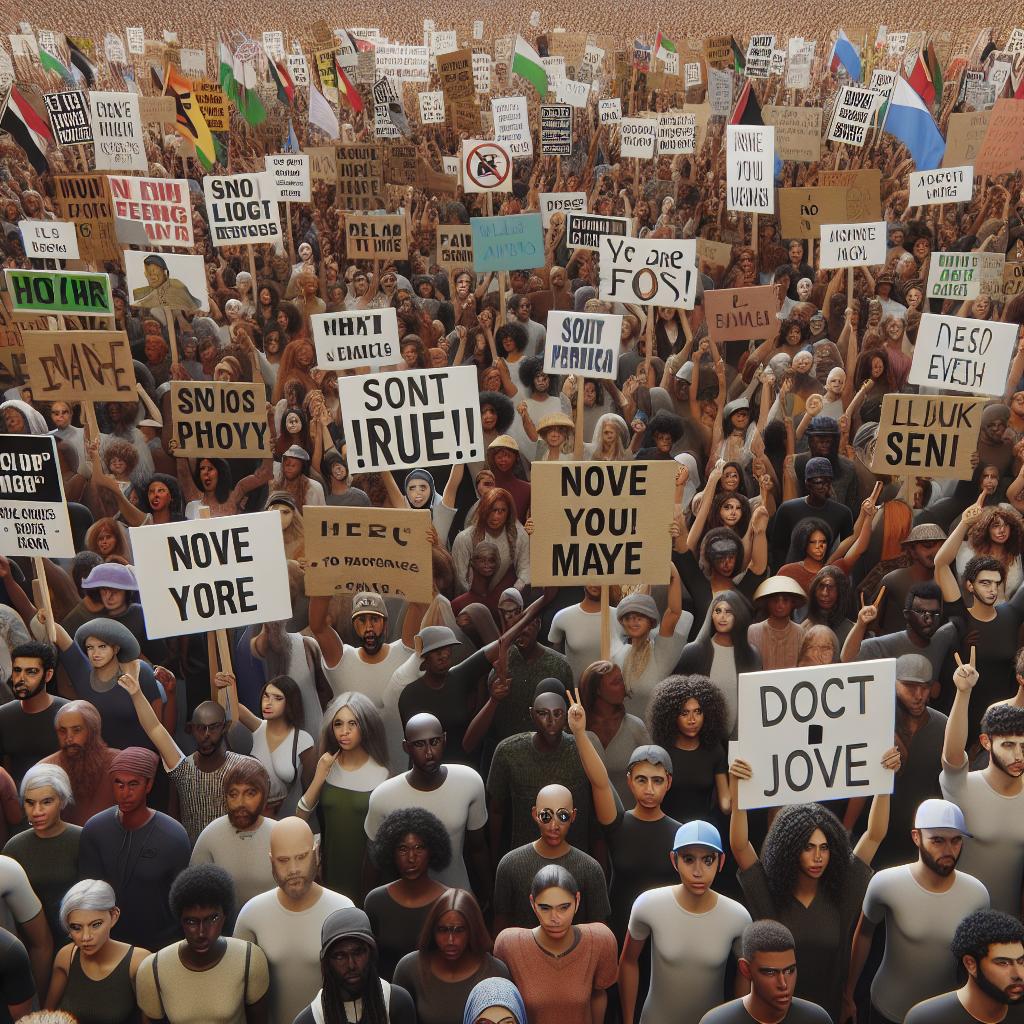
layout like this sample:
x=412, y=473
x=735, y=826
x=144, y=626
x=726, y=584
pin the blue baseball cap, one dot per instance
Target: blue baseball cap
x=697, y=833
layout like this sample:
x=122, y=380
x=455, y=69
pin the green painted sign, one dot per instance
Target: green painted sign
x=60, y=291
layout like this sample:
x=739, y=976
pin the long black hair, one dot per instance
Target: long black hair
x=816, y=615
x=335, y=995
x=801, y=536
x=698, y=655
x=789, y=834
x=224, y=485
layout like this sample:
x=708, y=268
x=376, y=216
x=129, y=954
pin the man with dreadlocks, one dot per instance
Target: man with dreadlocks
x=353, y=991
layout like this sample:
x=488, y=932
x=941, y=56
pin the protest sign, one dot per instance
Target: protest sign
x=718, y=51
x=397, y=60
x=1013, y=279
x=206, y=574
x=637, y=137
x=515, y=242
x=166, y=280
x=136, y=39
x=1002, y=149
x=804, y=211
x=964, y=137
x=561, y=202
x=719, y=92
x=954, y=275
x=298, y=68
x=193, y=62
x=947, y=185
x=213, y=104
x=376, y=237
x=242, y=209
x=49, y=239
x=759, y=56
x=432, y=107
x=677, y=133
x=649, y=272
x=692, y=75
x=323, y=164
x=852, y=245
x=959, y=354
x=934, y=435
x=863, y=191
x=381, y=551
x=225, y=419
x=750, y=168
x=32, y=505
x=851, y=115
x=93, y=366
x=609, y=111
x=481, y=73
x=555, y=129
x=161, y=205
x=360, y=176
x=289, y=174
x=601, y=523
x=347, y=340
x=84, y=200
x=797, y=131
x=583, y=343
x=69, y=118
x=486, y=166
x=160, y=110
x=401, y=164
x=454, y=246
x=60, y=291
x=411, y=418
x=573, y=93
x=815, y=733
x=512, y=125
x=739, y=314
x=990, y=274
x=455, y=72
x=117, y=131
x=713, y=255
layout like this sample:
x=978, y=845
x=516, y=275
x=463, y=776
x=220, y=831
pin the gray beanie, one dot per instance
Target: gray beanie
x=642, y=604
x=349, y=923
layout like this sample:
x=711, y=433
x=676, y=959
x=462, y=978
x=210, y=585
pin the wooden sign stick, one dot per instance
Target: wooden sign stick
x=606, y=626
x=577, y=444
x=649, y=347
x=172, y=336
x=218, y=650
x=291, y=241
x=41, y=594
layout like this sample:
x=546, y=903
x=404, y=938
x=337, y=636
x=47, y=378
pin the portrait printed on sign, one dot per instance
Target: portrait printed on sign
x=166, y=280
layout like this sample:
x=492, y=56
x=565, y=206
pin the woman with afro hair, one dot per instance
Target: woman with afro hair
x=809, y=879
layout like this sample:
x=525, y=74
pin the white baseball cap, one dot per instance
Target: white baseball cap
x=941, y=814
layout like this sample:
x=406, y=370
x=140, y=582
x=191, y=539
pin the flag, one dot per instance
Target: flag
x=739, y=59
x=238, y=79
x=346, y=87
x=926, y=77
x=911, y=122
x=663, y=46
x=527, y=64
x=283, y=80
x=27, y=129
x=321, y=113
x=80, y=62
x=291, y=143
x=935, y=67
x=190, y=123
x=844, y=53
x=747, y=110
x=56, y=66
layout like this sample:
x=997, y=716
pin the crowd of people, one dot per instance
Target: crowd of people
x=515, y=804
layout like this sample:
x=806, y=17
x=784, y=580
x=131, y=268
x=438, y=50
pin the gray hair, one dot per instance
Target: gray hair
x=371, y=726
x=89, y=894
x=51, y=775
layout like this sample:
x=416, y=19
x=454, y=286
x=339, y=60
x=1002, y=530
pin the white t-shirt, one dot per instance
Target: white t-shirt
x=919, y=927
x=995, y=856
x=460, y=802
x=245, y=856
x=580, y=633
x=370, y=679
x=18, y=903
x=723, y=675
x=689, y=953
x=364, y=779
x=278, y=762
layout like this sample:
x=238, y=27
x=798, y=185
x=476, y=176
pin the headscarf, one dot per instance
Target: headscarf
x=34, y=421
x=494, y=992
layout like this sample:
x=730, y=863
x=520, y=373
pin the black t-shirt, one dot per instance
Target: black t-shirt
x=789, y=513
x=947, y=1009
x=800, y=1012
x=26, y=739
x=16, y=984
x=692, y=795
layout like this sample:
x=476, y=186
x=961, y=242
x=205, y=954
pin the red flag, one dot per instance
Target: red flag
x=920, y=80
x=346, y=87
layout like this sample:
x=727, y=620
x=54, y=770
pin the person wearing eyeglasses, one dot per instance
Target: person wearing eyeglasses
x=495, y=1001
x=454, y=955
x=207, y=978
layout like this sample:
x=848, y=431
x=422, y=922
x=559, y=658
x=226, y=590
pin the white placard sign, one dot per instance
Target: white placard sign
x=512, y=125
x=49, y=239
x=348, y=340
x=609, y=111
x=217, y=573
x=298, y=68
x=33, y=512
x=432, y=107
x=242, y=209
x=959, y=354
x=486, y=166
x=136, y=37
x=117, y=131
x=943, y=185
x=719, y=92
x=289, y=175
x=412, y=418
x=273, y=43
x=637, y=137
x=193, y=62
x=166, y=280
x=954, y=275
x=677, y=133
x=851, y=116
x=586, y=344
x=561, y=202
x=478, y=29
x=815, y=733
x=750, y=168
x=691, y=74
x=573, y=93
x=481, y=73
x=648, y=271
x=852, y=245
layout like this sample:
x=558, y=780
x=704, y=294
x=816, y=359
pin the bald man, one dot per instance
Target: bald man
x=285, y=922
x=553, y=813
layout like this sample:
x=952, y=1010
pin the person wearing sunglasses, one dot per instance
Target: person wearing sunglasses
x=494, y=1001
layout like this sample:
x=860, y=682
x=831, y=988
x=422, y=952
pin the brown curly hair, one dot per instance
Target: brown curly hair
x=667, y=702
x=977, y=533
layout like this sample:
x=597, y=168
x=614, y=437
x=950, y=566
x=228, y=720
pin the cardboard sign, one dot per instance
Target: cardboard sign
x=815, y=733
x=712, y=256
x=486, y=166
x=432, y=107
x=759, y=56
x=161, y=205
x=454, y=246
x=561, y=202
x=512, y=125
x=851, y=115
x=360, y=176
x=964, y=355
x=637, y=136
x=77, y=365
x=289, y=174
x=739, y=314
x=49, y=239
x=377, y=237
x=934, y=435
x=84, y=200
x=382, y=551
x=648, y=271
x=219, y=418
x=586, y=344
x=69, y=118
x=804, y=211
x=33, y=510
x=948, y=185
x=797, y=131
x=750, y=168
x=954, y=275
x=601, y=523
x=218, y=573
x=852, y=245
x=411, y=418
x=1013, y=280
x=515, y=242
x=160, y=110
x=117, y=131
x=356, y=338
x=677, y=133
x=242, y=209
x=1002, y=150
x=166, y=280
x=60, y=291
x=455, y=71
x=718, y=51
x=555, y=129
x=585, y=230
x=609, y=111
x=964, y=137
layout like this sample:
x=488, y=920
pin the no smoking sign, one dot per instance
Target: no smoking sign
x=486, y=167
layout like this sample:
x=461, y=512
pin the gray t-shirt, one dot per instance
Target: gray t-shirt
x=893, y=645
x=245, y=856
x=734, y=1012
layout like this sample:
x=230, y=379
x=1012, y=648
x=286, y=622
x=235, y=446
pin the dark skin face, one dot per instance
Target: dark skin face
x=130, y=791
x=350, y=961
x=923, y=617
x=548, y=716
x=425, y=743
x=412, y=857
x=923, y=553
x=207, y=728
x=202, y=927
x=819, y=488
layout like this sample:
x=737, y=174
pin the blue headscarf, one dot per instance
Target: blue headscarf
x=494, y=992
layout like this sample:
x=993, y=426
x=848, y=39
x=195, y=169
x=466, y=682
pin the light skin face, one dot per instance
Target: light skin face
x=985, y=587
x=497, y=517
x=244, y=803
x=346, y=730
x=555, y=909
x=940, y=848
x=723, y=619
x=42, y=808
x=99, y=653
x=60, y=414
x=496, y=1015
x=814, y=857
x=730, y=478
x=293, y=859
x=418, y=493
x=72, y=734
x=636, y=625
x=913, y=697
x=1006, y=753
x=28, y=677
x=697, y=867
x=731, y=512
x=1000, y=973
x=648, y=783
x=90, y=929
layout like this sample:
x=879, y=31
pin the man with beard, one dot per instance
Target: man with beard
x=823, y=443
x=27, y=731
x=286, y=921
x=921, y=903
x=989, y=946
x=992, y=799
x=817, y=502
x=86, y=758
x=138, y=851
x=239, y=842
x=921, y=546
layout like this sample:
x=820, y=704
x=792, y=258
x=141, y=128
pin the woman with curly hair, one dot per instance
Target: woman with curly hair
x=410, y=843
x=687, y=716
x=809, y=879
x=828, y=601
x=997, y=531
x=107, y=537
x=496, y=521
x=454, y=955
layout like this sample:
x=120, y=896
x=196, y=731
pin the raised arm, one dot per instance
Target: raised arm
x=867, y=615
x=878, y=817
x=739, y=828
x=954, y=744
x=331, y=647
x=946, y=554
x=169, y=751
x=596, y=771
x=227, y=681
x=674, y=608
